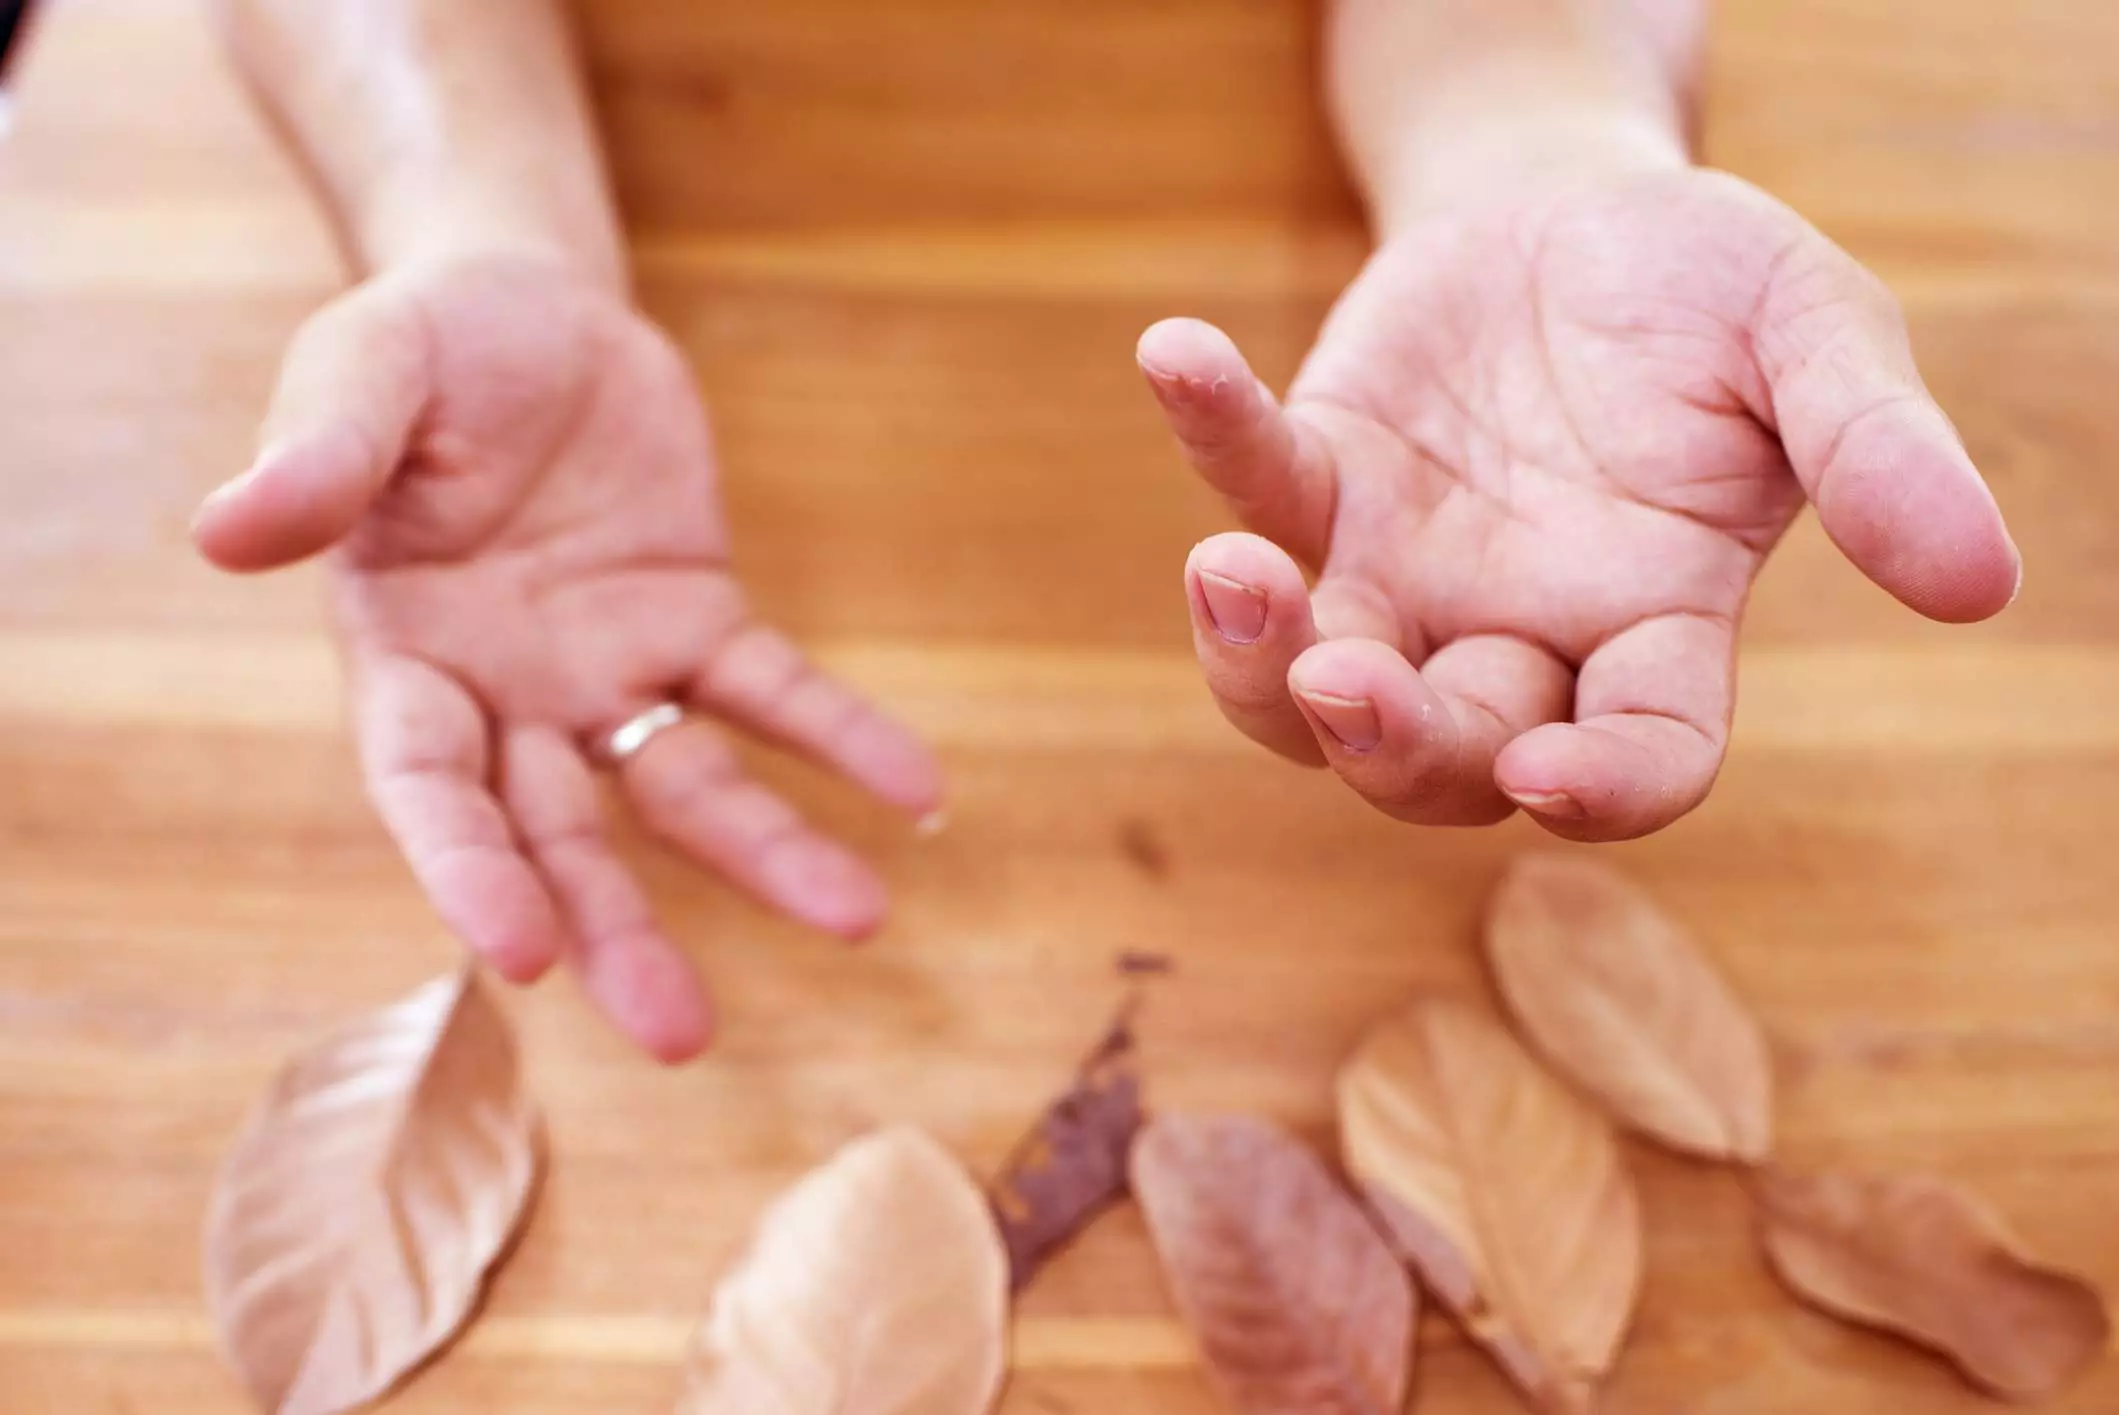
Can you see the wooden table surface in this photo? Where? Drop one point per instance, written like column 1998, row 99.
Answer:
column 910, row 246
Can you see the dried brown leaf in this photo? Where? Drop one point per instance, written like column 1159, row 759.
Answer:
column 1503, row 1189
column 876, row 1286
column 1073, row 1164
column 1299, row 1305
column 354, row 1223
column 1914, row 1255
column 1616, row 996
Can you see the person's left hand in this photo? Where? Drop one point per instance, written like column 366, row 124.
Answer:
column 1537, row 457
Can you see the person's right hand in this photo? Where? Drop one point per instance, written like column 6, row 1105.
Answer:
column 514, row 475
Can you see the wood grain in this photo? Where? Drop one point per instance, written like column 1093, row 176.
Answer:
column 909, row 247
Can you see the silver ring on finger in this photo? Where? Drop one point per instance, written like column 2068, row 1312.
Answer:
column 630, row 737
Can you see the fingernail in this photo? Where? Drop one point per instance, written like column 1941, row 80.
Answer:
column 2019, row 580
column 1237, row 611
column 1352, row 720
column 1172, row 388
column 1555, row 805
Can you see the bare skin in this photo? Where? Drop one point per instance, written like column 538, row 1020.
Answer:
column 1546, row 440
column 512, row 477
column 1537, row 456
column 519, row 486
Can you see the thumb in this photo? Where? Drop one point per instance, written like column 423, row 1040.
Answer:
column 1893, row 485
column 1274, row 470
column 351, row 389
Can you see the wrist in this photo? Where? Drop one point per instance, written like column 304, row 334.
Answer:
column 1515, row 152
column 1443, row 104
column 446, row 222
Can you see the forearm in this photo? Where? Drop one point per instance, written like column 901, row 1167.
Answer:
column 1443, row 102
column 436, row 128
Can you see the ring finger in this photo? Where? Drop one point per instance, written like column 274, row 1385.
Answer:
column 628, row 965
column 1420, row 743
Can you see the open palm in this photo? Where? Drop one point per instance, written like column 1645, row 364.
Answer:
column 1536, row 459
column 517, row 479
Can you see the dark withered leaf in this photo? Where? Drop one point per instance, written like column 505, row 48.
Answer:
column 1073, row 1164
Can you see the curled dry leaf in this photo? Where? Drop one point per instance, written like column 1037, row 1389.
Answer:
column 1299, row 1305
column 353, row 1225
column 1611, row 990
column 1074, row 1163
column 876, row 1286
column 1914, row 1255
column 1503, row 1189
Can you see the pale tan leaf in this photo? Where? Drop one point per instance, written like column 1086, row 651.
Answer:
column 1912, row 1254
column 1298, row 1304
column 1502, row 1188
column 353, row 1225
column 876, row 1286
column 1616, row 996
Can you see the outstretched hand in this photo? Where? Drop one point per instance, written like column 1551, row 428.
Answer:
column 1536, row 459
column 515, row 476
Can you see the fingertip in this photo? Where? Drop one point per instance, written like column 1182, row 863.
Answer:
column 1906, row 505
column 1359, row 693
column 651, row 994
column 223, row 525
column 1612, row 779
column 521, row 961
column 1210, row 397
column 821, row 883
column 520, row 950
column 1392, row 737
column 521, row 957
column 893, row 764
column 501, row 914
column 682, row 1033
column 675, row 1051
column 1239, row 585
column 1553, row 809
column 1352, row 668
column 1250, row 613
column 1276, row 472
column 296, row 499
column 1550, row 771
column 1970, row 590
column 1189, row 360
column 1561, row 810
column 1252, row 559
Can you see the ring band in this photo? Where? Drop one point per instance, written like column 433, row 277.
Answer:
column 636, row 732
